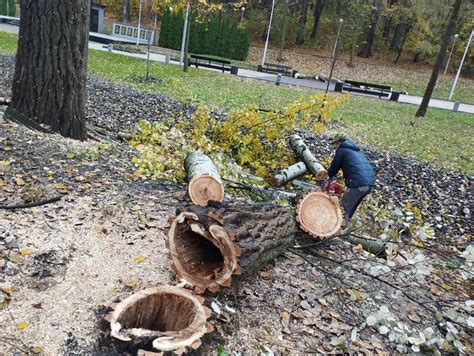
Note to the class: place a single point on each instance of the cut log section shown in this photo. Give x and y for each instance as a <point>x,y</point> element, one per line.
<point>172,317</point>
<point>303,153</point>
<point>204,181</point>
<point>209,245</point>
<point>289,173</point>
<point>319,214</point>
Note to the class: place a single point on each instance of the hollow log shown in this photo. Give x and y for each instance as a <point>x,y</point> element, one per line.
<point>209,246</point>
<point>289,173</point>
<point>204,181</point>
<point>173,318</point>
<point>319,214</point>
<point>303,153</point>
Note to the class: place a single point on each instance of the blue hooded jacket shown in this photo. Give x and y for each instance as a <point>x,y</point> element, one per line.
<point>357,170</point>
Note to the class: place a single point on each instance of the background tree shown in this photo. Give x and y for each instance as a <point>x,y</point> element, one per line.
<point>126,11</point>
<point>366,51</point>
<point>50,69</point>
<point>440,59</point>
<point>318,10</point>
<point>302,22</point>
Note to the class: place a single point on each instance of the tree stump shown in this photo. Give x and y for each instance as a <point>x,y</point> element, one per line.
<point>172,317</point>
<point>210,245</point>
<point>319,214</point>
<point>303,153</point>
<point>204,181</point>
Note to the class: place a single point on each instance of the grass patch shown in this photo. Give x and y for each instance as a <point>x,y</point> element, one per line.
<point>8,42</point>
<point>441,138</point>
<point>416,86</point>
<point>197,85</point>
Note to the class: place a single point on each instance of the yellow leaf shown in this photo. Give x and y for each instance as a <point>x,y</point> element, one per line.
<point>36,350</point>
<point>26,251</point>
<point>417,243</point>
<point>19,181</point>
<point>139,259</point>
<point>61,187</point>
<point>446,287</point>
<point>22,325</point>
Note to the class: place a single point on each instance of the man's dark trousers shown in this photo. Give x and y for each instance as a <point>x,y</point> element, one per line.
<point>351,200</point>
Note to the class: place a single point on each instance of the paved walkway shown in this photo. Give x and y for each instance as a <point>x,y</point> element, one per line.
<point>305,83</point>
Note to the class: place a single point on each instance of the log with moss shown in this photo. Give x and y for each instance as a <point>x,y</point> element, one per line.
<point>303,153</point>
<point>204,181</point>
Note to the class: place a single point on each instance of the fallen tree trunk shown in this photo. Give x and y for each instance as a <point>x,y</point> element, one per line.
<point>303,153</point>
<point>210,245</point>
<point>289,173</point>
<point>204,181</point>
<point>319,214</point>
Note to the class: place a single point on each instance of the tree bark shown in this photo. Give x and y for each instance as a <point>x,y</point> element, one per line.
<point>302,22</point>
<point>303,153</point>
<point>289,173</point>
<point>50,70</point>
<point>209,246</point>
<point>366,51</point>
<point>204,181</point>
<point>318,10</point>
<point>440,59</point>
<point>126,11</point>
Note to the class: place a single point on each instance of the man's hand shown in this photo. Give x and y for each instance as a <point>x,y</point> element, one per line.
<point>326,185</point>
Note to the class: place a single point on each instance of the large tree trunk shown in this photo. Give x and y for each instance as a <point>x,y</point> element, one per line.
<point>126,11</point>
<point>302,22</point>
<point>303,153</point>
<point>318,10</point>
<point>440,59</point>
<point>204,181</point>
<point>50,70</point>
<point>210,245</point>
<point>366,51</point>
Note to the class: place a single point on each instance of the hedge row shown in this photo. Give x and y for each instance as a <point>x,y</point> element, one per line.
<point>209,36</point>
<point>7,7</point>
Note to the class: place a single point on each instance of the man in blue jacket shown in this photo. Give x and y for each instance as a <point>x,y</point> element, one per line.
<point>358,174</point>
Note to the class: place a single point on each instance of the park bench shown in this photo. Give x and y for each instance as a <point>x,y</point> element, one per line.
<point>370,89</point>
<point>210,62</point>
<point>276,69</point>
<point>10,20</point>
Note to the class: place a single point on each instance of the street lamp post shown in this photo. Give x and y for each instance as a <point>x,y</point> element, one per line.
<point>185,30</point>
<point>139,19</point>
<point>268,34</point>
<point>460,65</point>
<point>334,53</point>
<point>450,53</point>
<point>242,9</point>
